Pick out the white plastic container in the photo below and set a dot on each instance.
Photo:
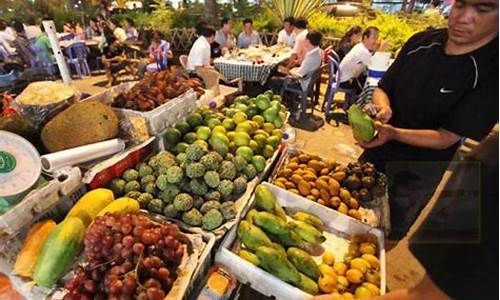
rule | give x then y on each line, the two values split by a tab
270	285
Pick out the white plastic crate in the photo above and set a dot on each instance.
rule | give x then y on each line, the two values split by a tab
40	200
270	285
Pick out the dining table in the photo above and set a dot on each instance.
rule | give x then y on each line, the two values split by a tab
253	64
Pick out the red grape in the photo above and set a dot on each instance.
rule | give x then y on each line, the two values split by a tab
128	241
126	228
155	294
152	283
90	286
142	296
129	285
138	248
147	238
163	272
126	266
116	286
138	231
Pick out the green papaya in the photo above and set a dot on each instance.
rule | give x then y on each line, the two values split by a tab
307	232
308	218
264	198
361	123
308	285
303	262
251	213
273	262
289	239
252	236
279	211
270	223
249	256
59	251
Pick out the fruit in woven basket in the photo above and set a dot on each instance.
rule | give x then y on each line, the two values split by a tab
32	246
82	123
59	251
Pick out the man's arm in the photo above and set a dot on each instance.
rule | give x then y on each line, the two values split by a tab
425	138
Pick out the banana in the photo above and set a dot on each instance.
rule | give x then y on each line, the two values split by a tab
307	232
308	218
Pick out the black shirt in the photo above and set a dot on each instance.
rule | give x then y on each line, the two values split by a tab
458	242
429	89
108	53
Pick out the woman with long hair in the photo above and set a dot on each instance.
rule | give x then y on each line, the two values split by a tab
350	38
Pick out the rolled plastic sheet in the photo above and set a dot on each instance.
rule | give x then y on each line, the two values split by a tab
78	155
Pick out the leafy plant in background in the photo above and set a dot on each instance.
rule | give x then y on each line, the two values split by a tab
161	16
294	8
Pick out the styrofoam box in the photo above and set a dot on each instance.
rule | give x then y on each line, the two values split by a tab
157	119
40	200
270	285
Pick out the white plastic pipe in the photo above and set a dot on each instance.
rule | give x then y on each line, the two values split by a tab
50	29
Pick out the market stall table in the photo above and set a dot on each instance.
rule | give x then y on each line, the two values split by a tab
253	64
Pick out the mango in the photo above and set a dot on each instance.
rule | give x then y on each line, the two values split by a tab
308	218
307	232
308	285
264	198
361	123
249	256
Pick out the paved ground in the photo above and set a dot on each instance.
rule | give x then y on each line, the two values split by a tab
403	270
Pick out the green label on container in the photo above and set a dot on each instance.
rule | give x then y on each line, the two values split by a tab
7	162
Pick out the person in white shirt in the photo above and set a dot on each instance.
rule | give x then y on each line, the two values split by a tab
6	39
199	55
224	36
287	35
130	30
299	48
356	62
311	63
118	32
248	36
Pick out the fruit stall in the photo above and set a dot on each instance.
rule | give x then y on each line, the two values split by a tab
144	192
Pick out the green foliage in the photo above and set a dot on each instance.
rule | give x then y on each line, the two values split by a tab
395	28
281	9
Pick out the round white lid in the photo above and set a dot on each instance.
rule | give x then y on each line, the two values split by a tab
20	164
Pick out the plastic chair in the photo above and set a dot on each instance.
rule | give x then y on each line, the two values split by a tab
77	56
333	87
292	85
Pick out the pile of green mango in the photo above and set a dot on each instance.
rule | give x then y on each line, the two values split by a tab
278	245
361	123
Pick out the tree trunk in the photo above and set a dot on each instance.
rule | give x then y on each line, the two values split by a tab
211	9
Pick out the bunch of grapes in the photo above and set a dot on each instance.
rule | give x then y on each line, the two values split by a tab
130	257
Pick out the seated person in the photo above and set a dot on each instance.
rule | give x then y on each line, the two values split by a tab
6	38
287	35
22	45
224	36
159	53
356	62
312	61
130	30
43	49
114	60
248	36
299	48
351	38
118	32
199	55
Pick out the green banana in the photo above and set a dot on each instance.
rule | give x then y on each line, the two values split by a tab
307	232
303	262
270	223
273	262
252	236
308	218
249	256
264	198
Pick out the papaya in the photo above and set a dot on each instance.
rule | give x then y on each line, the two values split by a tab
270	223
91	204
308	218
308	285
264	198
303	262
59	251
307	232
121	205
249	256
32	246
273	262
252	236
